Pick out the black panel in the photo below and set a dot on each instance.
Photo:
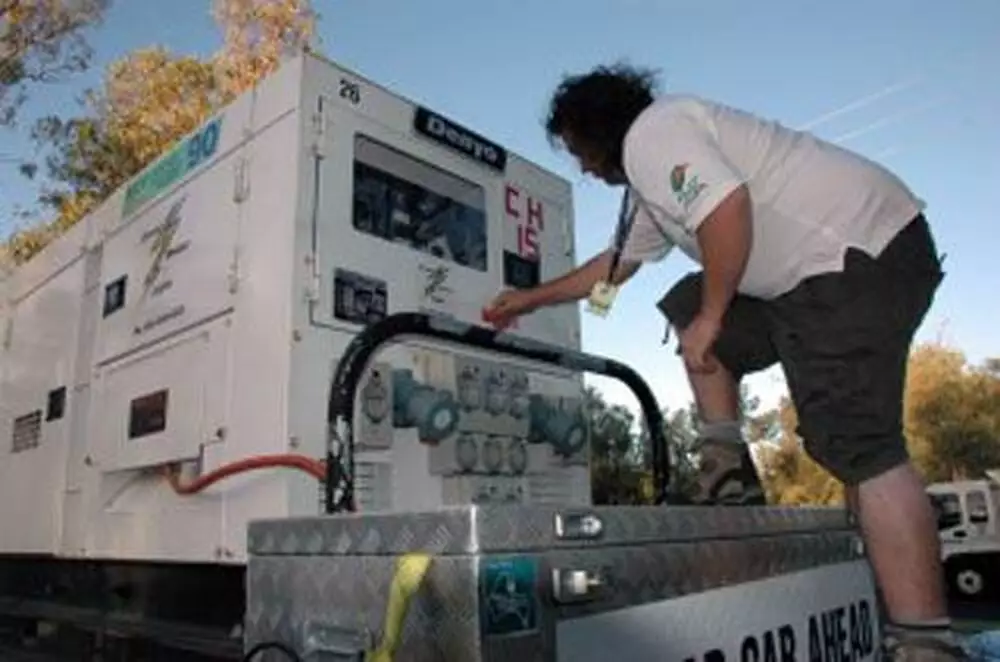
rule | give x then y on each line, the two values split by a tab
148	415
114	295
455	136
56	406
520	272
359	298
415	204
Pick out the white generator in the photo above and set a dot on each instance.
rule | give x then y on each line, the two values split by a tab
195	319
205	455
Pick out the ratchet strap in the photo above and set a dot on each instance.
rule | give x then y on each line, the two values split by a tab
410	572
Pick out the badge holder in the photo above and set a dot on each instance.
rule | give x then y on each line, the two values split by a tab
601	299
602	296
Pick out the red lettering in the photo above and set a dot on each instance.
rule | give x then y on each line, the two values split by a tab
535	213
527	228
527	241
511	195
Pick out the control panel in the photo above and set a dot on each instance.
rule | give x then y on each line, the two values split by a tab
487	432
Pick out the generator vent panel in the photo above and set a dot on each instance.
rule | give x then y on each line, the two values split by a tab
27	432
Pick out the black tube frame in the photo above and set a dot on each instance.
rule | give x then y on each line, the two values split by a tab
357	356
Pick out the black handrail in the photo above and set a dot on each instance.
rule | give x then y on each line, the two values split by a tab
352	365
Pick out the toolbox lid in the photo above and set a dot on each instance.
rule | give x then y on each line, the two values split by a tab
474	529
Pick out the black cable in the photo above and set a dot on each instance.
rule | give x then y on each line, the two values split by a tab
272	645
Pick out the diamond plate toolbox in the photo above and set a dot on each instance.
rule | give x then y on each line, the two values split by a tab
501	577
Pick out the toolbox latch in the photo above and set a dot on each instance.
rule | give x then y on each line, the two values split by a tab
578	526
336	643
574	586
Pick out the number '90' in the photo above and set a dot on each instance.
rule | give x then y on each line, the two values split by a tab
203	144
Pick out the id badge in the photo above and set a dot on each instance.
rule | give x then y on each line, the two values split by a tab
601	299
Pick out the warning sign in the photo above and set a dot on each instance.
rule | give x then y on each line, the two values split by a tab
841	634
824	614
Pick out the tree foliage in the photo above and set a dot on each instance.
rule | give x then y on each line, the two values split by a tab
622	457
952	414
619	458
790	476
149	100
42	41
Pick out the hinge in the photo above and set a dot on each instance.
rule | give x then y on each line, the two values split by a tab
8	333
312	291
241	180
233	274
319	127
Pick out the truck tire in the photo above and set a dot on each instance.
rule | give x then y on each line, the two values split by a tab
966	577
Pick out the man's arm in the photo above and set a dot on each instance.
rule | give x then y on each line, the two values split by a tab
724	237
578	283
694	182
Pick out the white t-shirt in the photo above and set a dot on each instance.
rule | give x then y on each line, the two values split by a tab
811	199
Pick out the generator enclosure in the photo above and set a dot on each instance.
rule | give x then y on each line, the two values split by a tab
195	318
547	583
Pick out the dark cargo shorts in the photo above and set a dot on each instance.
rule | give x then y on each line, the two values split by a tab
843	340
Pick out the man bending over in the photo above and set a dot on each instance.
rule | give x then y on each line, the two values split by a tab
813	258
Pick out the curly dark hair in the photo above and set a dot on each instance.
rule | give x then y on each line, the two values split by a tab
598	107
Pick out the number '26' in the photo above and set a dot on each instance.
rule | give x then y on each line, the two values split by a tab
203	144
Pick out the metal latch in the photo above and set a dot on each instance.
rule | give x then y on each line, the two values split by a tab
574	586
578	526
335	643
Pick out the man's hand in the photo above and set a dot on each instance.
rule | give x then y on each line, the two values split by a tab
696	341
508	306
573	286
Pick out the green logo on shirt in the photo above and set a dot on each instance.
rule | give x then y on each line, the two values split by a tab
685	190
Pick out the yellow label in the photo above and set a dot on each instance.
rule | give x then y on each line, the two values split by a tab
601	299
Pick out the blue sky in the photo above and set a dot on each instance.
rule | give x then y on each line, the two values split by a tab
910	83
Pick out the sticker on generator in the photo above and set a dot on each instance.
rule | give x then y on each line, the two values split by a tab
359	298
508	598
173	167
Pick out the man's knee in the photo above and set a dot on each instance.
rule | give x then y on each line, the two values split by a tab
855	459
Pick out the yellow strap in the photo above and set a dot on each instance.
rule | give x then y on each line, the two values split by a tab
410	572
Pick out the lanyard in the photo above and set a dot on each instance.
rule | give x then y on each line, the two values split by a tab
622	229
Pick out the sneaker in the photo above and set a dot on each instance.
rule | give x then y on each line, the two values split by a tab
921	648
726	477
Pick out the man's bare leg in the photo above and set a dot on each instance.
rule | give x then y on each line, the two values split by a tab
727	475
900	533
716	394
896	521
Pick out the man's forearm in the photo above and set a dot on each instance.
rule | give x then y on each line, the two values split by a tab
725	239
577	284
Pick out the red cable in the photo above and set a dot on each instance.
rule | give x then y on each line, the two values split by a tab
313	467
